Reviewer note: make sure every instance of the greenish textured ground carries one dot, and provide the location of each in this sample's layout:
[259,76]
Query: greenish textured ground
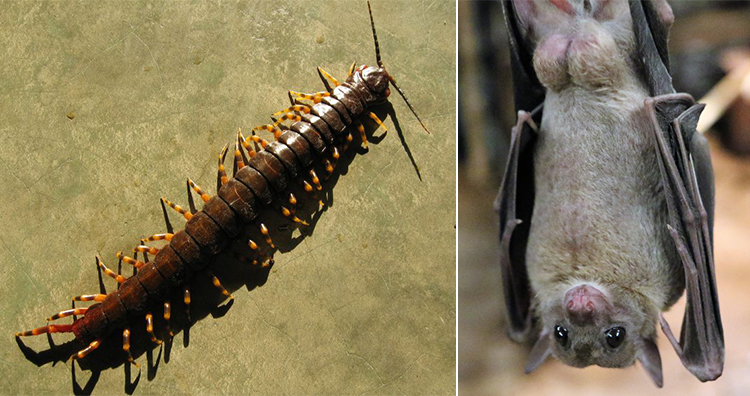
[106,106]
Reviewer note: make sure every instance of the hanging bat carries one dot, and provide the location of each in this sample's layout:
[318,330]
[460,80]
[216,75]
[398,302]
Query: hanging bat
[606,207]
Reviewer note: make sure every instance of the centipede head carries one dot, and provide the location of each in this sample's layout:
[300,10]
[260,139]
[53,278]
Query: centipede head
[377,78]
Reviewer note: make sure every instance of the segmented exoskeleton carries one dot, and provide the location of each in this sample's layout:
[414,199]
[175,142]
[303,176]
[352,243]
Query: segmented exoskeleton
[321,125]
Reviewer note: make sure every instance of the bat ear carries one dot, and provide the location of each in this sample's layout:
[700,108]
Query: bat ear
[539,353]
[651,361]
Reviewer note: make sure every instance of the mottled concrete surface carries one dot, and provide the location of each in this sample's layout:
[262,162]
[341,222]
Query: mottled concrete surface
[107,106]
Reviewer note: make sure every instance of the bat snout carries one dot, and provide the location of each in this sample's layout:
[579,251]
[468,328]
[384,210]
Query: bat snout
[584,302]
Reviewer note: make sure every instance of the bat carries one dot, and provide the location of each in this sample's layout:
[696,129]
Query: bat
[606,207]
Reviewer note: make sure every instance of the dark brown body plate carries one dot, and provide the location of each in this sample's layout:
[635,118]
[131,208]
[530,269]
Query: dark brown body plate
[311,135]
[287,157]
[271,168]
[299,145]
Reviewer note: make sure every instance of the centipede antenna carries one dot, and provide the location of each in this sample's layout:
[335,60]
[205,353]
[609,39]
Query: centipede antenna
[374,36]
[393,82]
[403,95]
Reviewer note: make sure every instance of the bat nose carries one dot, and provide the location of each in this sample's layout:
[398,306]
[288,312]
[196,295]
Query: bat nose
[581,307]
[583,302]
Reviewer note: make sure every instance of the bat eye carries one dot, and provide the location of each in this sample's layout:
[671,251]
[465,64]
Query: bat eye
[615,337]
[561,335]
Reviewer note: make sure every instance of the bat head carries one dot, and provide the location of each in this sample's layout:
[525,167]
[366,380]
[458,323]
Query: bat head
[595,325]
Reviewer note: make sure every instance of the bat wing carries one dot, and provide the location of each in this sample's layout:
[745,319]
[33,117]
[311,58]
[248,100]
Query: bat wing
[688,185]
[515,201]
[514,204]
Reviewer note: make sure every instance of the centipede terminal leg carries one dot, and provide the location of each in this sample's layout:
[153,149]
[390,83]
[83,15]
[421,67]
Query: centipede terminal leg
[48,329]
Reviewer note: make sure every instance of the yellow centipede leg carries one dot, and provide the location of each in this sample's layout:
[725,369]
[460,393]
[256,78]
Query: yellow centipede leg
[270,128]
[293,203]
[68,312]
[146,249]
[49,329]
[204,196]
[239,163]
[315,179]
[288,116]
[315,98]
[300,108]
[150,328]
[264,231]
[246,145]
[167,316]
[85,351]
[363,135]
[159,237]
[326,77]
[178,208]
[217,283]
[221,177]
[130,260]
[126,346]
[186,301]
[288,213]
[90,297]
[377,120]
[119,278]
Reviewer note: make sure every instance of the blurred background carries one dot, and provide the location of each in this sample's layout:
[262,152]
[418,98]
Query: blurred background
[710,51]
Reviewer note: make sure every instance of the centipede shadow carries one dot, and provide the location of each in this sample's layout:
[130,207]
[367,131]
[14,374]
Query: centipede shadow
[235,267]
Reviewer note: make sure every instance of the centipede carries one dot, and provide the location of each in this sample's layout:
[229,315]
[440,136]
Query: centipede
[310,137]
